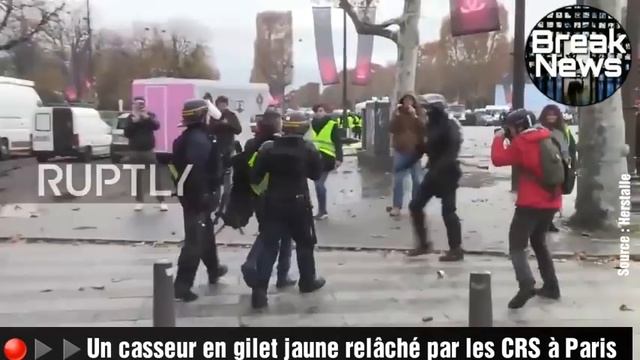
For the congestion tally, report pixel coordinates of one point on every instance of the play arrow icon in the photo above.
(68, 349)
(41, 349)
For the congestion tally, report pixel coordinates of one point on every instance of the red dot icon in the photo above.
(15, 349)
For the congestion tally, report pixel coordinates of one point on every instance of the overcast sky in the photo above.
(232, 27)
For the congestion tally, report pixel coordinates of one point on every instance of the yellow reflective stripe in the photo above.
(323, 141)
(260, 188)
(173, 171)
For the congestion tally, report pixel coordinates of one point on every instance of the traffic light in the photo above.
(474, 16)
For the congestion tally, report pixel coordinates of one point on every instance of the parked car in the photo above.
(495, 112)
(482, 117)
(70, 131)
(18, 104)
(457, 112)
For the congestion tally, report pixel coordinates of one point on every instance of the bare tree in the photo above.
(406, 38)
(602, 152)
(21, 20)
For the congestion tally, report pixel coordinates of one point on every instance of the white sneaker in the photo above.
(164, 207)
(138, 207)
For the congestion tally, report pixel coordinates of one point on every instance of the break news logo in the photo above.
(578, 55)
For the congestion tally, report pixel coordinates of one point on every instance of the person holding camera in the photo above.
(529, 148)
(140, 128)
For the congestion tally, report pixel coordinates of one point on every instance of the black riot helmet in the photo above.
(194, 112)
(269, 123)
(295, 123)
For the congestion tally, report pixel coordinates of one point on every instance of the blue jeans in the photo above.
(399, 160)
(250, 266)
(321, 191)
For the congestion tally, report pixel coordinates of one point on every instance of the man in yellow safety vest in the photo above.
(326, 138)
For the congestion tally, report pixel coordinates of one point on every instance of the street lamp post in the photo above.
(345, 77)
(90, 48)
(517, 100)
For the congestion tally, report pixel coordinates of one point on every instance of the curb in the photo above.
(562, 255)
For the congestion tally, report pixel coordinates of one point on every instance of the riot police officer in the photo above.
(290, 161)
(196, 148)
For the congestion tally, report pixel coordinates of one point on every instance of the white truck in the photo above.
(19, 102)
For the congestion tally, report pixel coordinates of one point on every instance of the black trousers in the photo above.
(199, 244)
(426, 192)
(531, 226)
(285, 219)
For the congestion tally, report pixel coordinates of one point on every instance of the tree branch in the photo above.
(365, 28)
(7, 14)
(46, 18)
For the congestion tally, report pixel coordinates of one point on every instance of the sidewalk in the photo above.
(111, 285)
(358, 219)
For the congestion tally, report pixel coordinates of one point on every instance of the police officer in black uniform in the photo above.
(290, 161)
(195, 147)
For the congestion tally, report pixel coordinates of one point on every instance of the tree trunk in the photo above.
(602, 153)
(408, 45)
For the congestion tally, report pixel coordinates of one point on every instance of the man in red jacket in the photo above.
(519, 145)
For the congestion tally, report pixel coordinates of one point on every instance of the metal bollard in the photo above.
(164, 314)
(480, 304)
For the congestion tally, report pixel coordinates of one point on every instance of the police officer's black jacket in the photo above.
(444, 139)
(289, 161)
(196, 147)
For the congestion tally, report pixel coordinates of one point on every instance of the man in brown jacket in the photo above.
(408, 131)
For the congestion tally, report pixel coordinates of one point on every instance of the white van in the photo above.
(18, 104)
(70, 131)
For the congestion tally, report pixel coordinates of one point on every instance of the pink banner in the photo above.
(362, 75)
(324, 45)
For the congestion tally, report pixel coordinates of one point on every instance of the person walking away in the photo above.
(225, 130)
(552, 119)
(140, 128)
(407, 129)
(290, 161)
(442, 147)
(196, 148)
(268, 128)
(326, 137)
(531, 150)
(357, 127)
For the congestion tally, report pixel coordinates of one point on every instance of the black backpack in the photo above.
(241, 205)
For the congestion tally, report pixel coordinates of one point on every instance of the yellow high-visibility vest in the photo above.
(322, 140)
(260, 188)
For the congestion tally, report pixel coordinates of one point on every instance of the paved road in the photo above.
(109, 285)
(357, 202)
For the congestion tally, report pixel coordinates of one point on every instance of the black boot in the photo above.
(184, 293)
(259, 298)
(309, 287)
(453, 255)
(521, 298)
(420, 230)
(285, 282)
(221, 271)
(549, 291)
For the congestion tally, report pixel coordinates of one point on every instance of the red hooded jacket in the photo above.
(524, 152)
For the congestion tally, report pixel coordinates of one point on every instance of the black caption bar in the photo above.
(317, 343)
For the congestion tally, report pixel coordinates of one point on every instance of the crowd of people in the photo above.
(268, 177)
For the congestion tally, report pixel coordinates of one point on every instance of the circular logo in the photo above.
(578, 55)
